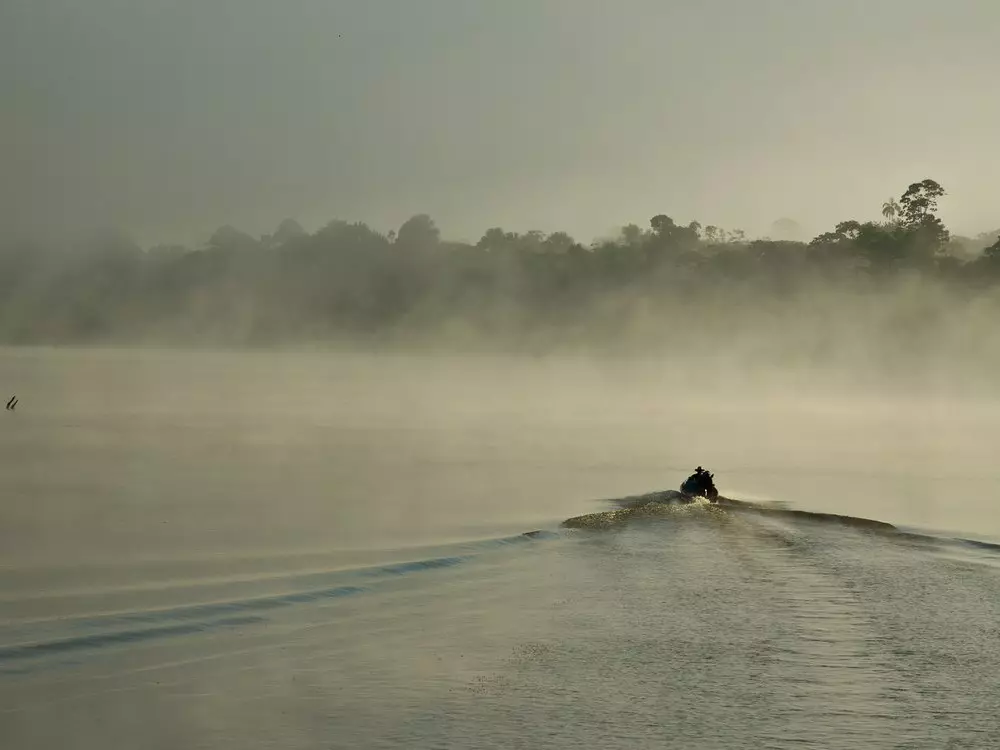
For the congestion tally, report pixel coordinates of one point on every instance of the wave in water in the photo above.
(121, 628)
(30, 642)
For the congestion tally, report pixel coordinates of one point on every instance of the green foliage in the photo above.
(919, 201)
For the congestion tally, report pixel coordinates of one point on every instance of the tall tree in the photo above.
(669, 236)
(419, 233)
(919, 201)
(890, 209)
(632, 234)
(496, 239)
(558, 242)
(662, 225)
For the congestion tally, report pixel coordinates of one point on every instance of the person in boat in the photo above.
(700, 484)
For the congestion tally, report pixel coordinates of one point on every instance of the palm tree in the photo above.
(890, 209)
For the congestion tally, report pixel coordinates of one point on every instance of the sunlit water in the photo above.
(316, 551)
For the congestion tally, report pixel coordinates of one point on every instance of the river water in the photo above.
(316, 550)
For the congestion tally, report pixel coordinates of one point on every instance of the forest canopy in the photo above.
(664, 283)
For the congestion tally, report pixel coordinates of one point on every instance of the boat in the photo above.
(700, 484)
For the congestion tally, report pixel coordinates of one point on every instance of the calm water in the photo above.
(315, 551)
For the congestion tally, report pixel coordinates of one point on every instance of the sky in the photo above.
(169, 118)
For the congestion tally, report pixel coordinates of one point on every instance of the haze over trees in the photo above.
(671, 282)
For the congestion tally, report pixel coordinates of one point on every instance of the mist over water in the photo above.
(254, 452)
(351, 482)
(230, 549)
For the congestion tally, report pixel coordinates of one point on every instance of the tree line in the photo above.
(350, 281)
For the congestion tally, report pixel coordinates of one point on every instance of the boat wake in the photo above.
(799, 618)
(667, 503)
(33, 639)
(30, 643)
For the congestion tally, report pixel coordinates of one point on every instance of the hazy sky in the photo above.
(172, 117)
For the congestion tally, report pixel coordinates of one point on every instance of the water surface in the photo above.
(320, 550)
